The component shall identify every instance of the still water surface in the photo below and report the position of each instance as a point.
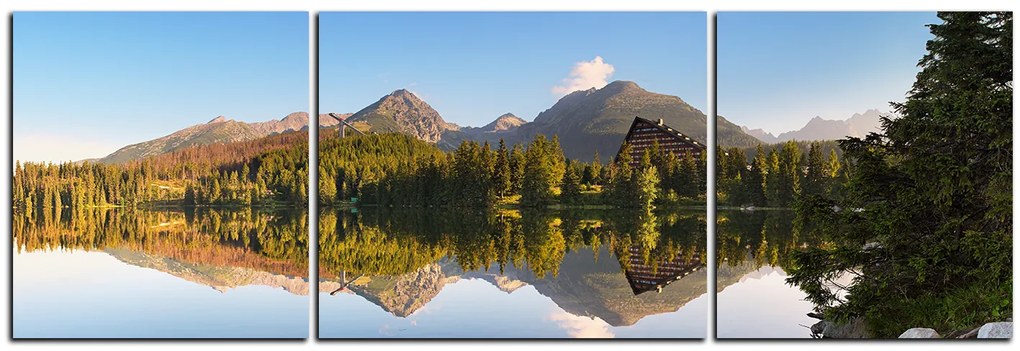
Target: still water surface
(753, 299)
(510, 274)
(115, 273)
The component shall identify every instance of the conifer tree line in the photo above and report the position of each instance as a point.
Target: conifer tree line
(399, 170)
(780, 175)
(266, 171)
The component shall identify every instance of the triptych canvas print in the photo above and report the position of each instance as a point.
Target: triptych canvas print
(510, 175)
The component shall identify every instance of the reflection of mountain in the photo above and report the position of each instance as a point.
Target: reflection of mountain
(586, 285)
(589, 286)
(404, 294)
(222, 249)
(221, 278)
(727, 274)
(751, 245)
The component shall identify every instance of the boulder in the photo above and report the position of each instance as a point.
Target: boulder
(856, 329)
(997, 330)
(819, 328)
(920, 333)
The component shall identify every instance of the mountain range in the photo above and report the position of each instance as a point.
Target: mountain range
(218, 130)
(589, 283)
(586, 121)
(858, 125)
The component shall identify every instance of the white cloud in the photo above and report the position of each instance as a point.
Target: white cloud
(581, 327)
(584, 75)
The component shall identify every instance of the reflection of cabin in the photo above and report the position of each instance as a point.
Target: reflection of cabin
(644, 277)
(644, 133)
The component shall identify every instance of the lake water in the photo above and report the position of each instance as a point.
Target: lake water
(116, 273)
(753, 299)
(510, 274)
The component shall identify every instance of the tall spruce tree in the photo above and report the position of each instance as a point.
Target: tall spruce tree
(930, 240)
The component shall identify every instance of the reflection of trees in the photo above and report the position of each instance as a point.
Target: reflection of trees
(346, 244)
(393, 242)
(766, 237)
(274, 242)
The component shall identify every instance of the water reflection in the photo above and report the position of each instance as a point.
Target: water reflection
(533, 273)
(753, 299)
(112, 273)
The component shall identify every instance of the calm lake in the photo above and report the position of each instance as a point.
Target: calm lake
(119, 273)
(753, 299)
(511, 274)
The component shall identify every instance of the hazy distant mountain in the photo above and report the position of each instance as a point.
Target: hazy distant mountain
(217, 130)
(728, 134)
(858, 125)
(402, 112)
(760, 134)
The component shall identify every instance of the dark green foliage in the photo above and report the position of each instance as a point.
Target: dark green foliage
(268, 171)
(780, 178)
(570, 191)
(931, 242)
(540, 168)
(356, 166)
(659, 178)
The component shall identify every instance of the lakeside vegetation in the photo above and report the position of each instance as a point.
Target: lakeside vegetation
(780, 175)
(920, 214)
(270, 171)
(269, 241)
(399, 170)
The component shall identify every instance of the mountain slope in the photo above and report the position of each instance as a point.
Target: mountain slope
(728, 134)
(402, 112)
(598, 119)
(217, 130)
(585, 121)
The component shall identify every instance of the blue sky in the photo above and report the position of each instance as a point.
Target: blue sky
(473, 67)
(778, 70)
(86, 84)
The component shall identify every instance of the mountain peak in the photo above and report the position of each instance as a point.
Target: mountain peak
(296, 116)
(403, 93)
(402, 111)
(218, 119)
(623, 85)
(504, 123)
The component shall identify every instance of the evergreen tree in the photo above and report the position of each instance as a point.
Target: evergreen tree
(571, 190)
(502, 178)
(931, 243)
